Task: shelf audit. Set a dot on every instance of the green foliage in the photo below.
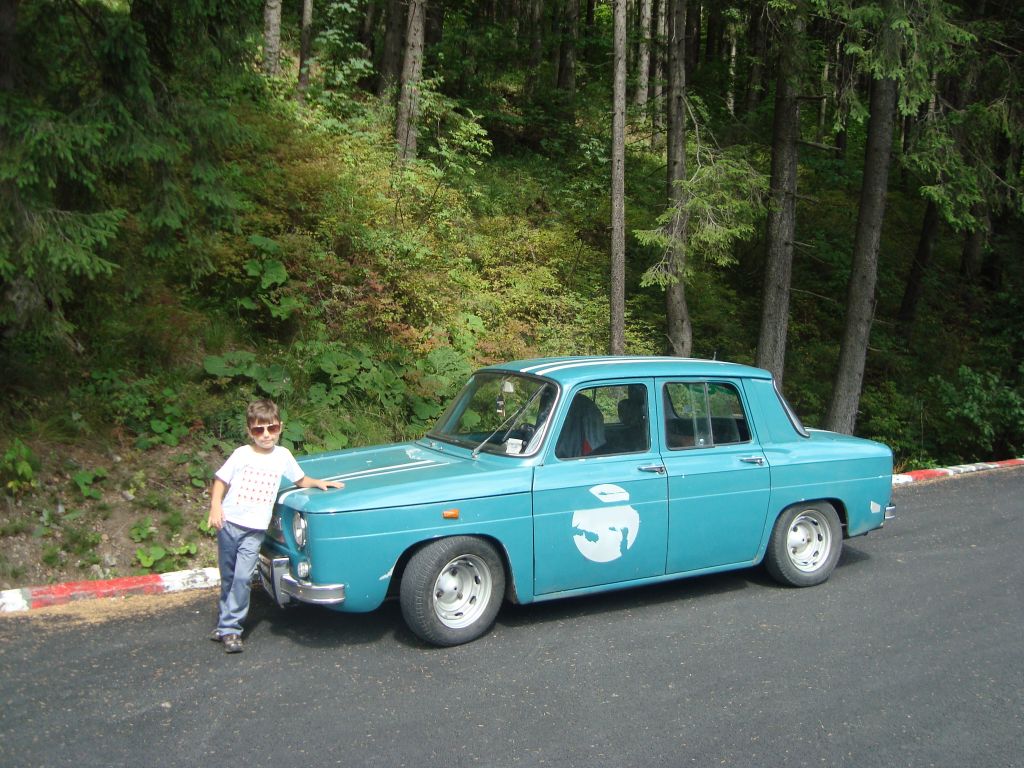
(978, 414)
(142, 530)
(720, 204)
(161, 559)
(168, 426)
(79, 142)
(81, 542)
(85, 480)
(199, 473)
(19, 468)
(268, 276)
(181, 236)
(904, 41)
(141, 406)
(15, 527)
(272, 380)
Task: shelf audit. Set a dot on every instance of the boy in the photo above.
(241, 504)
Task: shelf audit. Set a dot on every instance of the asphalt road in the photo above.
(911, 655)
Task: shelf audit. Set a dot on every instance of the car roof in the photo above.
(569, 371)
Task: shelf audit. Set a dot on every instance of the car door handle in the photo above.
(659, 468)
(759, 460)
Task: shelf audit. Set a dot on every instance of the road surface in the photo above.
(910, 655)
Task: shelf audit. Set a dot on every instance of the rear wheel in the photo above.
(805, 545)
(452, 589)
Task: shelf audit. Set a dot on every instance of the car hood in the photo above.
(400, 475)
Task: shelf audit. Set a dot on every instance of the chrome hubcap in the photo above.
(809, 541)
(462, 591)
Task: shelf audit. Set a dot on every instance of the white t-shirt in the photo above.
(254, 481)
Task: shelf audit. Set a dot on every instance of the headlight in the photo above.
(275, 531)
(299, 530)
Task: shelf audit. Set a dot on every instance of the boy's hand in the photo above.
(216, 519)
(323, 485)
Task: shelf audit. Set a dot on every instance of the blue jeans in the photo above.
(237, 551)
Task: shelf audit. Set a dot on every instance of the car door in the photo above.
(600, 497)
(719, 480)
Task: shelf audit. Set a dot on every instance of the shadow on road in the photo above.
(316, 627)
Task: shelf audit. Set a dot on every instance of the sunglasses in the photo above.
(259, 429)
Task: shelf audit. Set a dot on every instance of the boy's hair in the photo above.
(262, 411)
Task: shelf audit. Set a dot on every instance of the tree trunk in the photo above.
(658, 75)
(860, 302)
(974, 244)
(692, 38)
(617, 340)
(536, 47)
(771, 346)
(714, 34)
(272, 37)
(730, 95)
(844, 74)
(643, 58)
(757, 36)
(567, 51)
(391, 59)
(408, 112)
(918, 268)
(434, 34)
(368, 25)
(8, 44)
(306, 44)
(823, 102)
(678, 326)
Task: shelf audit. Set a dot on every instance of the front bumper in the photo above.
(280, 584)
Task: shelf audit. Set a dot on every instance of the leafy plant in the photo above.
(80, 541)
(274, 379)
(51, 555)
(15, 527)
(197, 469)
(18, 468)
(161, 559)
(269, 275)
(142, 530)
(978, 414)
(85, 480)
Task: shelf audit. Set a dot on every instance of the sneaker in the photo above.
(232, 643)
(216, 636)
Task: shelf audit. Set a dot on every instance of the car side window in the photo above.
(604, 421)
(703, 414)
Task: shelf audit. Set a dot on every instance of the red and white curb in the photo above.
(12, 600)
(150, 584)
(931, 474)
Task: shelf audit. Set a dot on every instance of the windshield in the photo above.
(498, 413)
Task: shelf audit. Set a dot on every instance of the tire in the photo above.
(452, 589)
(805, 545)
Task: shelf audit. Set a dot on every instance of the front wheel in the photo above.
(805, 545)
(452, 589)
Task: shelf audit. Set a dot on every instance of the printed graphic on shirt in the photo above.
(257, 488)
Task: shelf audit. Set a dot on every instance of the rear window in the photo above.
(703, 414)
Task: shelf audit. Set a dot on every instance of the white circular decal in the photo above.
(604, 534)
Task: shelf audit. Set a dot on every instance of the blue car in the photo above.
(568, 476)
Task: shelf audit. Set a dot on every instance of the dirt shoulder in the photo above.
(96, 513)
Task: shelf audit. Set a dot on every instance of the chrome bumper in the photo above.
(275, 573)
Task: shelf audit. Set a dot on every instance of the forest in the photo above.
(348, 205)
